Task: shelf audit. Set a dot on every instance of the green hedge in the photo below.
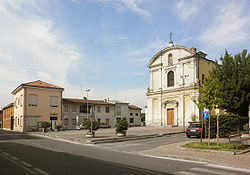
(227, 125)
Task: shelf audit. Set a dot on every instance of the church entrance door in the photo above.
(170, 116)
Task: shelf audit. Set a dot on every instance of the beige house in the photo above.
(134, 115)
(75, 112)
(36, 102)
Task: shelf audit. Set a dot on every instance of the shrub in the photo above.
(45, 125)
(227, 125)
(58, 127)
(121, 125)
(95, 126)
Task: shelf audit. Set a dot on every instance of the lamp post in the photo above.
(183, 101)
(88, 90)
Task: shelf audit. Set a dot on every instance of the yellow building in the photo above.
(36, 102)
(8, 117)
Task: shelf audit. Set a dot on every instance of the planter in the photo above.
(88, 134)
(121, 134)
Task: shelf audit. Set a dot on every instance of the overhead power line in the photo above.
(212, 37)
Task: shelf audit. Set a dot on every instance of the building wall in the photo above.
(124, 111)
(43, 108)
(71, 115)
(204, 67)
(1, 119)
(135, 114)
(29, 116)
(19, 110)
(185, 89)
(7, 114)
(103, 116)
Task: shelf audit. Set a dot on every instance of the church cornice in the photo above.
(192, 51)
(195, 87)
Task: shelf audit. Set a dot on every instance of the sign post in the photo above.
(249, 119)
(205, 115)
(91, 121)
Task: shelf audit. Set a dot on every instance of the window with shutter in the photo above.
(32, 100)
(53, 101)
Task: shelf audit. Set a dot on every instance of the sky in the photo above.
(105, 45)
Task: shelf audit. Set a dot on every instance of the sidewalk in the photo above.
(109, 135)
(218, 158)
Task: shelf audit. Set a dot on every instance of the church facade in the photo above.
(176, 73)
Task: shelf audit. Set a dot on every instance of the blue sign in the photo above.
(205, 114)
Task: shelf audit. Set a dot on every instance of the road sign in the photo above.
(92, 116)
(205, 114)
(92, 110)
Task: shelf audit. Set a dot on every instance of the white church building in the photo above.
(175, 75)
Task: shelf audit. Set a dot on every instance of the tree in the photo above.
(233, 83)
(227, 86)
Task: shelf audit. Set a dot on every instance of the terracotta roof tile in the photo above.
(97, 102)
(133, 107)
(40, 83)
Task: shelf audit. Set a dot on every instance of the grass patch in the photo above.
(213, 146)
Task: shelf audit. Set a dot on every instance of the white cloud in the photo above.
(31, 49)
(231, 29)
(151, 47)
(187, 9)
(133, 6)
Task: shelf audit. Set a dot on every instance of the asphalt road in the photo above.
(135, 146)
(24, 154)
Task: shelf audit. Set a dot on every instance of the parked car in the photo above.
(104, 125)
(194, 129)
(81, 126)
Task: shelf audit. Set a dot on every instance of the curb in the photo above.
(213, 151)
(113, 140)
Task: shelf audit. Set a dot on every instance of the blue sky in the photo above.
(105, 45)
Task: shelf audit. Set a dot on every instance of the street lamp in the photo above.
(183, 102)
(88, 90)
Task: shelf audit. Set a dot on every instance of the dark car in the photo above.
(194, 129)
(104, 125)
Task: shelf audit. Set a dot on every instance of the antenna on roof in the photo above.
(82, 91)
(170, 35)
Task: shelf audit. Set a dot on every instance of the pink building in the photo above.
(36, 102)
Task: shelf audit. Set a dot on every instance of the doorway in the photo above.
(170, 116)
(53, 121)
(12, 123)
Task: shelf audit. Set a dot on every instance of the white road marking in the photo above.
(228, 168)
(20, 165)
(213, 171)
(5, 153)
(25, 163)
(171, 158)
(185, 173)
(13, 157)
(41, 171)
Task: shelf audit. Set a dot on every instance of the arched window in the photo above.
(170, 59)
(170, 78)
